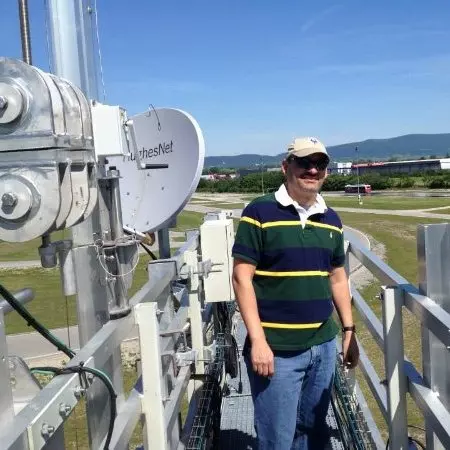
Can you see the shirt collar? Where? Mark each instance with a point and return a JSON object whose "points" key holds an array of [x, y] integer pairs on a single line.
{"points": [[285, 199]]}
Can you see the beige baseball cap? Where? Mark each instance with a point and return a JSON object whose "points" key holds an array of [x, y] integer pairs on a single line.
{"points": [[305, 146]]}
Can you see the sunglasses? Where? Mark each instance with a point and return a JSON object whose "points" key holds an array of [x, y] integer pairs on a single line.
{"points": [[307, 163]]}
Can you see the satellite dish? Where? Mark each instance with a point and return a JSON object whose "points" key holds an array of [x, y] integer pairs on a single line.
{"points": [[157, 182]]}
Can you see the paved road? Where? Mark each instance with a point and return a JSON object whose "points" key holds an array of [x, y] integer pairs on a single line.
{"points": [[401, 212], [33, 346]]}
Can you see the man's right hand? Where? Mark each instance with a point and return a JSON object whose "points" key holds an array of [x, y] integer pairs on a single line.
{"points": [[262, 358]]}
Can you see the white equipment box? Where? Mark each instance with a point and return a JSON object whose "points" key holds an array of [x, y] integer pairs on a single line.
{"points": [[108, 124], [216, 240]]}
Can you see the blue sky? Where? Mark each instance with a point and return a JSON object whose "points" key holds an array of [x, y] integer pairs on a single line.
{"points": [[257, 73]]}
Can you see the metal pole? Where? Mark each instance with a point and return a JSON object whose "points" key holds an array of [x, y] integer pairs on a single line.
{"points": [[394, 356], [357, 174], [155, 432], [23, 296], [25, 31], [71, 25], [6, 396], [164, 243]]}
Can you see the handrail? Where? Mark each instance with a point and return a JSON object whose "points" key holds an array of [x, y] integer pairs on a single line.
{"points": [[23, 296], [431, 315], [95, 354], [428, 312]]}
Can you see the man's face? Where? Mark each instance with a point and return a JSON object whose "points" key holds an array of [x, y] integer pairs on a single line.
{"points": [[306, 174]]}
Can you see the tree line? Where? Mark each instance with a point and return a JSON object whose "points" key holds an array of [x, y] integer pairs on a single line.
{"points": [[272, 180]]}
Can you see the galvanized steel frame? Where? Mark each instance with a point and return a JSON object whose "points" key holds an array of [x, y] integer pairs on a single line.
{"points": [[402, 376], [161, 413]]}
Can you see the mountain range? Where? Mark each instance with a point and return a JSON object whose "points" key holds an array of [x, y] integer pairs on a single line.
{"points": [[410, 146]]}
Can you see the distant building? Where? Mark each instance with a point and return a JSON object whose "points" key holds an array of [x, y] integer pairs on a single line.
{"points": [[341, 168], [419, 165], [218, 176]]}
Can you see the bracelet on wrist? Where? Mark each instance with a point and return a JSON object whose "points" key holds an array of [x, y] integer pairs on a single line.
{"points": [[351, 328]]}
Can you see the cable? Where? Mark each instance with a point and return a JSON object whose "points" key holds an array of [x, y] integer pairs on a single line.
{"points": [[70, 346], [49, 52], [149, 252], [240, 386], [81, 370], [411, 439], [99, 51], [417, 428], [98, 244], [31, 321]]}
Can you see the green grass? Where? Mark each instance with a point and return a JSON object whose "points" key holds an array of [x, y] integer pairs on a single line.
{"points": [[26, 251], [188, 220], [49, 305], [386, 202], [397, 233]]}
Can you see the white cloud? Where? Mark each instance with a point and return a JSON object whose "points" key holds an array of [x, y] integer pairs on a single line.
{"points": [[318, 17]]}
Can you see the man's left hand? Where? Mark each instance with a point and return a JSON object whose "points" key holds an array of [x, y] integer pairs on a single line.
{"points": [[350, 350]]}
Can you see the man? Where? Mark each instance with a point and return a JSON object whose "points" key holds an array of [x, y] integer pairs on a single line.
{"points": [[288, 271]]}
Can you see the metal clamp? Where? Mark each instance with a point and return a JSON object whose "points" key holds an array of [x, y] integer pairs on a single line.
{"points": [[186, 358], [203, 269]]}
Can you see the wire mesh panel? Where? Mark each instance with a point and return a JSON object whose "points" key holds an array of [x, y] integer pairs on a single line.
{"points": [[206, 426], [237, 431], [349, 418]]}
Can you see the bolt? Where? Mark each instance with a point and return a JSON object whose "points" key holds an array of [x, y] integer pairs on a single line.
{"points": [[3, 102], [79, 391], [64, 409], [9, 199], [47, 430]]}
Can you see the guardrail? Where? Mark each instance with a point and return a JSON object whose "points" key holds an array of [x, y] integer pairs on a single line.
{"points": [[430, 390], [169, 305]]}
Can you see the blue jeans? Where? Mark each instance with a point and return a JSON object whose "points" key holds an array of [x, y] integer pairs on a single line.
{"points": [[291, 406]]}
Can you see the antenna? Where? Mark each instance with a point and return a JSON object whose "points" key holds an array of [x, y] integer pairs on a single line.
{"points": [[162, 170]]}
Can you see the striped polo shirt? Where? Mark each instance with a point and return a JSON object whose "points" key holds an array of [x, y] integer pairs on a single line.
{"points": [[293, 261]]}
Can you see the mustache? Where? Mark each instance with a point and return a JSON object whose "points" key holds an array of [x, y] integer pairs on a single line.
{"points": [[311, 177]]}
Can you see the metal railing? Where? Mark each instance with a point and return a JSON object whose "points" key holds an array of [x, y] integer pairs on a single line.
{"points": [[156, 398], [401, 377]]}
